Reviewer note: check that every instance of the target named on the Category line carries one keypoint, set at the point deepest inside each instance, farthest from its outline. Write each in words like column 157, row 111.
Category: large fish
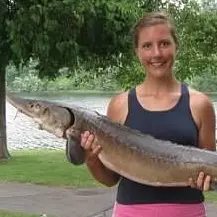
column 128, row 152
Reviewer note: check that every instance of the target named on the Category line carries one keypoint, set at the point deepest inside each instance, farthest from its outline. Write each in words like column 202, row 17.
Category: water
column 22, row 132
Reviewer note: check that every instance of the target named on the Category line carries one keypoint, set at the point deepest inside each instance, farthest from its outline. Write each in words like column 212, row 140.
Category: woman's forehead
column 160, row 31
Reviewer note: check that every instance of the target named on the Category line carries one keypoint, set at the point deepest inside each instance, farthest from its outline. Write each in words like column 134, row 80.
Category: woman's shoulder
column 202, row 107
column 204, row 113
column 199, row 99
column 118, row 107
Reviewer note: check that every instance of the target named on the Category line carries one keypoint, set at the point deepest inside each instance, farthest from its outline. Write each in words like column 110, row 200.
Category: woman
column 166, row 109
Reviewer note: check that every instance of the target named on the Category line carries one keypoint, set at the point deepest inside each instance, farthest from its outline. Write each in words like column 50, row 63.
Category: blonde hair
column 151, row 19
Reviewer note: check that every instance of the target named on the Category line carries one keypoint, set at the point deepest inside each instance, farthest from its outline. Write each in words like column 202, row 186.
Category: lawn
column 19, row 214
column 46, row 167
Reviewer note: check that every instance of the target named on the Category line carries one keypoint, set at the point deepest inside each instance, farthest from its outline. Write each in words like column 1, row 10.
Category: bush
column 24, row 78
column 86, row 76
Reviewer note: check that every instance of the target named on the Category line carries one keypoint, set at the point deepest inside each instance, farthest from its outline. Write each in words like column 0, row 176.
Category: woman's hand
column 91, row 147
column 202, row 183
column 95, row 166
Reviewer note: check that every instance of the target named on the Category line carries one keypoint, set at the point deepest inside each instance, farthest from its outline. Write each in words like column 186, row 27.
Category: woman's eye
column 165, row 44
column 146, row 46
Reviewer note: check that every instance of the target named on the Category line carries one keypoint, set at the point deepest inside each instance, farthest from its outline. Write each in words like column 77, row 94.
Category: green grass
column 50, row 167
column 211, row 196
column 47, row 167
column 18, row 214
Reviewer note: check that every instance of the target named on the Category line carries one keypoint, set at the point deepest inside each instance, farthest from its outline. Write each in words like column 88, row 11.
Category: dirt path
column 63, row 202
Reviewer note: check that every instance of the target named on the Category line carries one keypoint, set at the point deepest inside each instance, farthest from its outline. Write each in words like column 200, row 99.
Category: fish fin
column 74, row 152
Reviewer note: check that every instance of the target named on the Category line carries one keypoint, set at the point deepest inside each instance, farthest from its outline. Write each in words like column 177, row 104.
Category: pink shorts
column 159, row 210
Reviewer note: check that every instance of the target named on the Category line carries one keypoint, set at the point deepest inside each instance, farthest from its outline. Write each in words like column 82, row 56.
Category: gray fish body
column 137, row 156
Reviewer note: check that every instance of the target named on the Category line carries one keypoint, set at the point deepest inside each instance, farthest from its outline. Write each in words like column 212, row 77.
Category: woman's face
column 156, row 50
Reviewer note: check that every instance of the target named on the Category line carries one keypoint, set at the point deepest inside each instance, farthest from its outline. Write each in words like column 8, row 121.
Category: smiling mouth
column 157, row 64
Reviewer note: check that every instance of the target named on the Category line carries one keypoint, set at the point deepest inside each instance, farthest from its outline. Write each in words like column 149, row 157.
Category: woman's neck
column 157, row 87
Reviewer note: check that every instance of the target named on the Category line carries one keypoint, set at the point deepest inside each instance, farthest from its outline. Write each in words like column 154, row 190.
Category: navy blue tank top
column 176, row 125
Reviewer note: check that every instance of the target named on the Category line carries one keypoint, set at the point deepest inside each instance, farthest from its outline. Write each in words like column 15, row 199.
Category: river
column 22, row 132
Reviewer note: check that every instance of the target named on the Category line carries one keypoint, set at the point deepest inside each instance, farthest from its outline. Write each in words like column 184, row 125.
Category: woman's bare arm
column 117, row 111
column 204, row 115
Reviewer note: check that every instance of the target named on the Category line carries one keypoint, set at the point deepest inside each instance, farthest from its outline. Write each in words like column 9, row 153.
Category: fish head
column 30, row 107
column 34, row 109
column 50, row 116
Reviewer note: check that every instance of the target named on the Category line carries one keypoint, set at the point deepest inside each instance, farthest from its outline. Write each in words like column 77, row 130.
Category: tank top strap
column 184, row 90
column 184, row 100
column 132, row 100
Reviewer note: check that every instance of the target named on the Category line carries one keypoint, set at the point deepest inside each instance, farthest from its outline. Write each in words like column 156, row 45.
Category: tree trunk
column 4, row 154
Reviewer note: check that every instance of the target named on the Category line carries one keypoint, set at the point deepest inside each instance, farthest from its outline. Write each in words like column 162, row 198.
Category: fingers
column 91, row 147
column 200, row 180
column 96, row 150
column 87, row 140
column 192, row 183
column 202, row 183
column 207, row 182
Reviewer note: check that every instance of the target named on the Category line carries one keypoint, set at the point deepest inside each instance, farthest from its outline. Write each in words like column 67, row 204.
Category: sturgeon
column 128, row 152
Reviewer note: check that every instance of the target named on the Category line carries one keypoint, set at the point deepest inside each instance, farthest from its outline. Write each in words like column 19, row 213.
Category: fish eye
column 31, row 105
column 37, row 105
column 46, row 111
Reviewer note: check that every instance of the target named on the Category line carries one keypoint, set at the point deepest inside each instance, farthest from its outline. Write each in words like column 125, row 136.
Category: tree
column 5, row 11
column 197, row 30
column 57, row 33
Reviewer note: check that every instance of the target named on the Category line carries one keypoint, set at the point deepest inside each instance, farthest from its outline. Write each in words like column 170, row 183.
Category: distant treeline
column 88, row 44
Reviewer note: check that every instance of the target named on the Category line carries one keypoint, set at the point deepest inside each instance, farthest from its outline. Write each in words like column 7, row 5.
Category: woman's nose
column 156, row 51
